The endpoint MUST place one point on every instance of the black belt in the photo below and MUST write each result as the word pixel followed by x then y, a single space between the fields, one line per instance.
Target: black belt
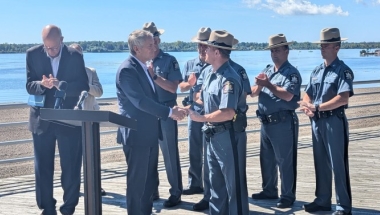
pixel 325 114
pixel 219 127
pixel 274 117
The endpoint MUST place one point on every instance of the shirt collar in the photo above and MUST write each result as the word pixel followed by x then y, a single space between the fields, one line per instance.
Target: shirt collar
pixel 143 65
pixel 333 64
pixel 284 65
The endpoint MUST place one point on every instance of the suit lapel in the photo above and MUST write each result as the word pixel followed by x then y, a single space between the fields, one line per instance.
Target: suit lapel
pixel 62 63
pixel 143 75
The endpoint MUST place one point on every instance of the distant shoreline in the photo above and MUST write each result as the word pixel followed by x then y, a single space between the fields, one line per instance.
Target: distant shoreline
pixel 180 46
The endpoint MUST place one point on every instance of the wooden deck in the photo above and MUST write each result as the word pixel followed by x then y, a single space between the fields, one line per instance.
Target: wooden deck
pixel 17 193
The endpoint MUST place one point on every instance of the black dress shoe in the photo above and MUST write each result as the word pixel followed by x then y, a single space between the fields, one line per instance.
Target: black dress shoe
pixel 341 213
pixel 262 195
pixel 172 201
pixel 201 205
pixel 102 192
pixel 284 203
pixel 192 190
pixel 156 196
pixel 313 207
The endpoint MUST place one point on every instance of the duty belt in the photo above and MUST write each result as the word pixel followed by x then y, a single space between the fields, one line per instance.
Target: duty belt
pixel 219 127
pixel 325 114
pixel 274 117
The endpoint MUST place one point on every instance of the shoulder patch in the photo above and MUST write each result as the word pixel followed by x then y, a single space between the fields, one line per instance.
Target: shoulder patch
pixel 175 65
pixel 348 75
pixel 243 74
pixel 294 78
pixel 228 87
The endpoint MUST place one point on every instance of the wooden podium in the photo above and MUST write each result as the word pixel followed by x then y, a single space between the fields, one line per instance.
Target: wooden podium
pixel 90 121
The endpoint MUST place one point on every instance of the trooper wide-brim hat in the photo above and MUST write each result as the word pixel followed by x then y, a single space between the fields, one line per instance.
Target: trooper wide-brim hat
pixel 151 27
pixel 202 35
pixel 277 41
pixel 221 39
pixel 330 35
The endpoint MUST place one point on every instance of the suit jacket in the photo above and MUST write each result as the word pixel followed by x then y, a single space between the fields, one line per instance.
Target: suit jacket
pixel 137 100
pixel 96 90
pixel 71 69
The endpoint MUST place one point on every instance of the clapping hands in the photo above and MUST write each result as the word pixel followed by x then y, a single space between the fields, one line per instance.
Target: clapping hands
pixel 262 80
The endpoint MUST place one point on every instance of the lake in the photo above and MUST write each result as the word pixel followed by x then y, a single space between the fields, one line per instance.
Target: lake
pixel 13 72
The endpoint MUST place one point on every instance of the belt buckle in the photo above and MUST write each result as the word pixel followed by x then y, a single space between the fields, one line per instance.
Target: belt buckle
pixel 269 118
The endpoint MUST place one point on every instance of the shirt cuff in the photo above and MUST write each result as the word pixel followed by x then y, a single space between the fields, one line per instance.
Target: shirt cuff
pixel 170 112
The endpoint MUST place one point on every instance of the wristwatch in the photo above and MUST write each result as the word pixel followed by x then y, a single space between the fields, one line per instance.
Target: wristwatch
pixel 154 77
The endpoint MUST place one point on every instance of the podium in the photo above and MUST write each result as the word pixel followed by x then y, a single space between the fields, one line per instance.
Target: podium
pixel 90 121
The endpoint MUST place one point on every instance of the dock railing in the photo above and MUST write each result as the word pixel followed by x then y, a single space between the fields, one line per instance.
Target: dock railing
pixel 250 117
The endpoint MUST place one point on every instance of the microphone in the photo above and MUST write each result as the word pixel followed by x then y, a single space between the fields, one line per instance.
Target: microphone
pixel 82 97
pixel 60 94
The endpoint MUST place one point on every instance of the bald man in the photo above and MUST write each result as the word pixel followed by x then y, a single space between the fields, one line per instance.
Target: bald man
pixel 46 66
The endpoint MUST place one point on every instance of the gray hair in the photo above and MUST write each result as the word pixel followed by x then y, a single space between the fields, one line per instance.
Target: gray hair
pixel 77 47
pixel 137 38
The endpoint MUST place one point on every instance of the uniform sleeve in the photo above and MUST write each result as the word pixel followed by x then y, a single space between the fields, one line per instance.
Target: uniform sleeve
pixel 245 81
pixel 345 82
pixel 175 72
pixel 229 94
pixel 292 83
pixel 185 70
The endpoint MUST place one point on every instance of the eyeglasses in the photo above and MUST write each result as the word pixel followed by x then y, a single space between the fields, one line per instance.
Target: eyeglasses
pixel 56 48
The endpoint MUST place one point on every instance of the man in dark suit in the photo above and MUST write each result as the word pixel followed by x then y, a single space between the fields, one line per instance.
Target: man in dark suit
pixel 138 99
pixel 46 66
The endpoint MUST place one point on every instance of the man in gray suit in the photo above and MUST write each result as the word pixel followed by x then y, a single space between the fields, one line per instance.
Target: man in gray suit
pixel 137 99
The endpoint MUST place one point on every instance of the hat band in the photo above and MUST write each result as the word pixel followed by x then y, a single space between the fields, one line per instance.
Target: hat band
pixel 334 39
pixel 202 39
pixel 278 43
pixel 219 44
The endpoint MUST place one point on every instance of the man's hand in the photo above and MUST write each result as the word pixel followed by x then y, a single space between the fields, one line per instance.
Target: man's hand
pixel 192 80
pixel 53 81
pixel 46 82
pixel 150 69
pixel 262 80
pixel 307 105
pixel 307 108
pixel 178 113
pixel 195 116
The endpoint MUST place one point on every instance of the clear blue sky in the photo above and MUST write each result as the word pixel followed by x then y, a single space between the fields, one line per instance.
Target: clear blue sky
pixel 249 20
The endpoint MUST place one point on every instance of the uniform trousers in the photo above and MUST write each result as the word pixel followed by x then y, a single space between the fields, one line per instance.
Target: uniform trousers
pixel 278 151
pixel 224 174
pixel 70 151
pixel 169 148
pixel 330 149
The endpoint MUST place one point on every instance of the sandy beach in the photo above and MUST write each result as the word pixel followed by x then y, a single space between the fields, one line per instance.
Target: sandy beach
pixel 20 114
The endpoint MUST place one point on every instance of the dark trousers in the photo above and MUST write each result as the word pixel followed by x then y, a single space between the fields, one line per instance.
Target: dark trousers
pixel 141 178
pixel 70 150
pixel 278 151
pixel 330 149
pixel 195 153
pixel 169 148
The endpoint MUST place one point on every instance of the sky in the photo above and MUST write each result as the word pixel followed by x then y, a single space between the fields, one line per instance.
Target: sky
pixel 248 20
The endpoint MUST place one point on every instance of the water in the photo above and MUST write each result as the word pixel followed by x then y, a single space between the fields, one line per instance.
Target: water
pixel 13 72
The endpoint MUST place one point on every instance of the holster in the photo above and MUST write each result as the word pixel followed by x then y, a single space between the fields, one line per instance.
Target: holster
pixel 240 121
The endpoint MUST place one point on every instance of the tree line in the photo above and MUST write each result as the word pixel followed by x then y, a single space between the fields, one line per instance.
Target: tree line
pixel 180 46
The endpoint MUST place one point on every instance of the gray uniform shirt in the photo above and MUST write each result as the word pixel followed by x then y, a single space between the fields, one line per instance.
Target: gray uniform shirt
pixel 221 89
pixel 288 78
pixel 244 77
pixel 166 66
pixel 327 82
pixel 193 66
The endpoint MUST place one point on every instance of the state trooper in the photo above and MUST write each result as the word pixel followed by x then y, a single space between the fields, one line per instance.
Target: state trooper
pixel 240 124
pixel 325 100
pixel 191 72
pixel 165 72
pixel 220 95
pixel 278 88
